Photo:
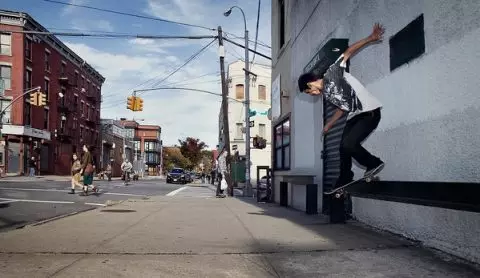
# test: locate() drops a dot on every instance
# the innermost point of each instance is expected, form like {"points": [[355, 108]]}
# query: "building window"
{"points": [[5, 44], [261, 130], [28, 49], [46, 89], [239, 92], [150, 146], [3, 107], [75, 103], [238, 131], [81, 107], [76, 79], [64, 93], [282, 146], [45, 119], [28, 79], [6, 76], [407, 44], [74, 124], [63, 68], [81, 132], [262, 92], [27, 114], [83, 82], [281, 16], [47, 61]]}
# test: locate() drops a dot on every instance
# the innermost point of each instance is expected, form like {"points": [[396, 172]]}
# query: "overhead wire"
{"points": [[191, 58], [130, 14], [256, 31], [186, 63], [150, 18]]}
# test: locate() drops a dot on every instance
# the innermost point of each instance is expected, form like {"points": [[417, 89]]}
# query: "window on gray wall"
{"points": [[408, 44], [282, 146]]}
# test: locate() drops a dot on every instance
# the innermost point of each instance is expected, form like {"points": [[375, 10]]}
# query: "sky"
{"points": [[132, 63]]}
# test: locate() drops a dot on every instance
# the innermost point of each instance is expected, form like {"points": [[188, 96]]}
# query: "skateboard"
{"points": [[339, 190]]}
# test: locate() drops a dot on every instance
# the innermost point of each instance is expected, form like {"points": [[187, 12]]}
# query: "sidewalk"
{"points": [[182, 236]]}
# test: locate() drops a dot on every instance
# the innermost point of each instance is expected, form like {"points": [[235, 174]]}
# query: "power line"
{"points": [[256, 31], [130, 14], [108, 35], [186, 62], [191, 58]]}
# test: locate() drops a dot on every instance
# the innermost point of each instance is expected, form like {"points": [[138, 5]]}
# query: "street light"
{"points": [[248, 187]]}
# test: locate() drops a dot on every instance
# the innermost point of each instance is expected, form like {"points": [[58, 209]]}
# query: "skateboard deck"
{"points": [[343, 187]]}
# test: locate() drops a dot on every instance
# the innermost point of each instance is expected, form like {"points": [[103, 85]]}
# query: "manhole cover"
{"points": [[118, 210]]}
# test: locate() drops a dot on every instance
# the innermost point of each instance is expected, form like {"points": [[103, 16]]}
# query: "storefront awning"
{"points": [[25, 131]]}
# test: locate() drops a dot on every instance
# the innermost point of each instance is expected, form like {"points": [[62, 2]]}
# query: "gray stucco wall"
{"points": [[430, 127]]}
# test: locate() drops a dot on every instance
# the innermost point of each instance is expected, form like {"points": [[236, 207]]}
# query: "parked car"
{"points": [[177, 175]]}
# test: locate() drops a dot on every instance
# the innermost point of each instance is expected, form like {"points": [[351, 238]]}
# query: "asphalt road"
{"points": [[23, 203]]}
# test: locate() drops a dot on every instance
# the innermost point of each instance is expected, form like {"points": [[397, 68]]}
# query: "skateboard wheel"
{"points": [[337, 195], [368, 179]]}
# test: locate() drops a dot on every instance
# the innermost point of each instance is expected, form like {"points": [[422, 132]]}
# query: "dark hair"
{"points": [[306, 78]]}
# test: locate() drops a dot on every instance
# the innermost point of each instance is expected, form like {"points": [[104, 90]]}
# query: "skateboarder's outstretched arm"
{"points": [[376, 35]]}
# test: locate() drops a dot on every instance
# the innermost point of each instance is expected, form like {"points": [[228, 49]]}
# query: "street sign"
{"points": [[252, 123]]}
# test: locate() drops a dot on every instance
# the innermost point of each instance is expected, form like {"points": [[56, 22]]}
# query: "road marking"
{"points": [[37, 201], [7, 202], [174, 192], [95, 204], [61, 190]]}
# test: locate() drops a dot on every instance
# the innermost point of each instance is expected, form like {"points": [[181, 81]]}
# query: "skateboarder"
{"points": [[349, 96]]}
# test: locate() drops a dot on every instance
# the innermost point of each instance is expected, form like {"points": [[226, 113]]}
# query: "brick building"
{"points": [[147, 145], [71, 117], [115, 146]]}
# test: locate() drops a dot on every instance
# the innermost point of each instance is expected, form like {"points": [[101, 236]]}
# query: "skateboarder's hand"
{"points": [[377, 33], [326, 128]]}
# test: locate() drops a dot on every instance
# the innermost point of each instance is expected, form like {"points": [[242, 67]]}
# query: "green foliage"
{"points": [[172, 157], [191, 148]]}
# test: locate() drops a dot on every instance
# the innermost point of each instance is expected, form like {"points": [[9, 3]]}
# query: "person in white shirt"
{"points": [[344, 91], [126, 168]]}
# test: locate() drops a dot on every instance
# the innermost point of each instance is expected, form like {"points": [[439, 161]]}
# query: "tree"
{"points": [[207, 158], [172, 157], [191, 148]]}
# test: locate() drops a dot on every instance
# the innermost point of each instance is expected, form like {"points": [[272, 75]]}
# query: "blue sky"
{"points": [[126, 63]]}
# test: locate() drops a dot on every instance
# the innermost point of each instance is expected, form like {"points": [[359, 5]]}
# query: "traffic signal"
{"points": [[259, 142], [138, 104], [131, 103], [42, 99], [34, 98]]}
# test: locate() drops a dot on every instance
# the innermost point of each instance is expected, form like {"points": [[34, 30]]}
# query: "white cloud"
{"points": [[69, 9], [97, 25], [179, 113]]}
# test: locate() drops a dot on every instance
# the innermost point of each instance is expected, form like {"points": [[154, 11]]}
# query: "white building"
{"points": [[259, 102], [425, 73]]}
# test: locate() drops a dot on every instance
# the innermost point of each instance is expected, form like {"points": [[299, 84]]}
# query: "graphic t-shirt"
{"points": [[346, 92]]}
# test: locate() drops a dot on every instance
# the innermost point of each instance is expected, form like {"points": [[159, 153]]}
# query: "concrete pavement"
{"points": [[26, 202], [186, 236]]}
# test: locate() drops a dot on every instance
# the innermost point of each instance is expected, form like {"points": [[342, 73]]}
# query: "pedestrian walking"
{"points": [[76, 167], [31, 166], [349, 96], [87, 170]]}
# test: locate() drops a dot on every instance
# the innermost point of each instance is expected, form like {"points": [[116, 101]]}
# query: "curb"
{"points": [[58, 217]]}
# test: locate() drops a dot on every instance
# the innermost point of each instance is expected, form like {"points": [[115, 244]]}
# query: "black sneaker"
{"points": [[72, 191], [374, 171]]}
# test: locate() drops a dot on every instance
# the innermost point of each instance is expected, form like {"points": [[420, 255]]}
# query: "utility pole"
{"points": [[248, 186], [226, 128]]}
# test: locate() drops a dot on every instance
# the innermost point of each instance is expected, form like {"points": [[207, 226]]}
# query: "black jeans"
{"points": [[356, 130]]}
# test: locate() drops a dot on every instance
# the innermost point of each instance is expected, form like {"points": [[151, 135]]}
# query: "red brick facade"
{"points": [[72, 120]]}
